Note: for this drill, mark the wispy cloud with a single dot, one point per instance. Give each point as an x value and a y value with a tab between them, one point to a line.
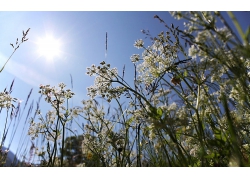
24	72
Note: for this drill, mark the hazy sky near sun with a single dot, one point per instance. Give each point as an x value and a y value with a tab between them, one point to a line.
82	43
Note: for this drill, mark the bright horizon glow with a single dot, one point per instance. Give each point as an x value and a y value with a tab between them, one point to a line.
49	47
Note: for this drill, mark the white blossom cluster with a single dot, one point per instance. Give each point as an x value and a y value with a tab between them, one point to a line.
99	136
103	82
6	101
157	59
48	125
56	95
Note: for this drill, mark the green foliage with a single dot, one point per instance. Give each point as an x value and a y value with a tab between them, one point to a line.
73	150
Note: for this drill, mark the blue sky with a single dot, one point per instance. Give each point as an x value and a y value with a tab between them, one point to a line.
82	36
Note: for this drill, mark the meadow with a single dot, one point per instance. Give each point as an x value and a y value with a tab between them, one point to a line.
188	106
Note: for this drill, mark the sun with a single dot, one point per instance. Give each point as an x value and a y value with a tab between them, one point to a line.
49	47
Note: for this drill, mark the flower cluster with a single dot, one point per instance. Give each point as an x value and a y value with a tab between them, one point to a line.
6	101
52	125
157	59
139	43
56	95
103	82
135	58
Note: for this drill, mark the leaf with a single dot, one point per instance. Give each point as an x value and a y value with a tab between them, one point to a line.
210	156
247	34
152	111
185	73
155	112
159	111
128	122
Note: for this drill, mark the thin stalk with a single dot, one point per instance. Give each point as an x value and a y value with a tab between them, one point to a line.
139	147
233	133
238	27
4	133
63	132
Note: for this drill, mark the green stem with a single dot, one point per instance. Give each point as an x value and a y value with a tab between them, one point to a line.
62	144
139	148
238	27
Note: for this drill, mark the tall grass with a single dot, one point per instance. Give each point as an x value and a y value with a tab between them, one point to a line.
188	104
12	106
